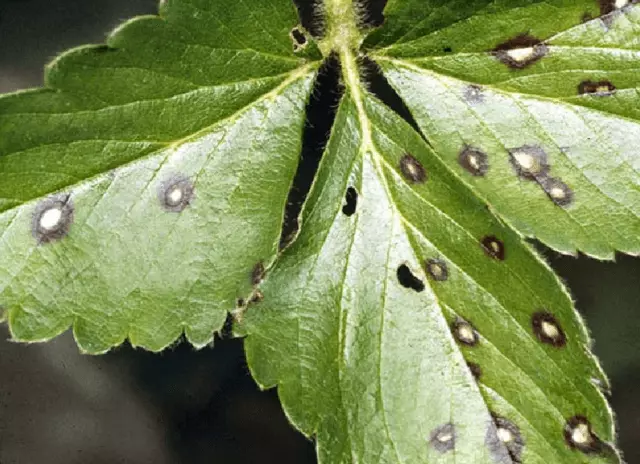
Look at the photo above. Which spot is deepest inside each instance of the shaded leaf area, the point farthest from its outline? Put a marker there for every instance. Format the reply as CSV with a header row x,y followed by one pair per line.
x,y
411,326
548,113
142,186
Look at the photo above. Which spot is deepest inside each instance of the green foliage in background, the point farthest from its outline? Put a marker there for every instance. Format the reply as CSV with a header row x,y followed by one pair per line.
x,y
143,190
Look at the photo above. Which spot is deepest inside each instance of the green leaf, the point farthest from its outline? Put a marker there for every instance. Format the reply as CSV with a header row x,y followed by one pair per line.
x,y
409,321
361,325
144,183
568,95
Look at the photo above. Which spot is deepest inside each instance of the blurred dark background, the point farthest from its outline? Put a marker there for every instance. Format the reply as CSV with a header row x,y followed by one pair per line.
x,y
183,406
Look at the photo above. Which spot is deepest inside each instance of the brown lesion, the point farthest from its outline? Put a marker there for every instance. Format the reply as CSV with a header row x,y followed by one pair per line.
x,y
474,161
522,41
602,88
579,435
547,329
412,170
558,191
493,247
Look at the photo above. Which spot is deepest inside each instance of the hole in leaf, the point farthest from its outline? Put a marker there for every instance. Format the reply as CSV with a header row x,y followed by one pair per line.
x,y
298,38
437,269
52,219
351,202
601,88
493,247
529,161
320,112
443,438
464,332
556,190
474,161
408,280
520,51
176,193
412,170
548,329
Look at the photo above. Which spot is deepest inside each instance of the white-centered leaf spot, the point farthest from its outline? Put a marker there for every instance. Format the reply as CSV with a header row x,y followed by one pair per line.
x,y
529,161
464,332
474,161
547,329
443,438
493,247
601,88
556,190
176,193
52,219
412,170
509,434
578,434
437,269
521,51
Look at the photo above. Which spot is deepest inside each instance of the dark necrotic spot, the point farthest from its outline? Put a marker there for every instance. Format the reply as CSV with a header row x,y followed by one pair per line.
x,y
240,302
503,435
579,435
52,219
601,88
447,50
408,280
443,438
176,193
474,161
412,170
474,94
257,273
464,332
520,51
351,202
475,369
556,190
493,247
529,161
437,269
548,330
